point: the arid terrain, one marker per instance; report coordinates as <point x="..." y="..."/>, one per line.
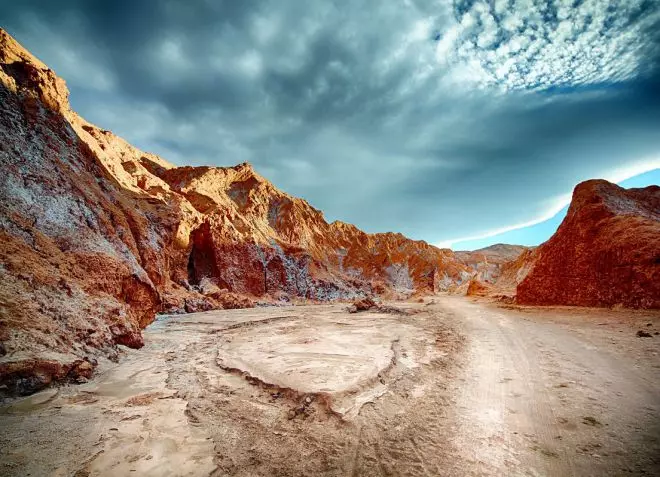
<point x="98" y="237"/>
<point x="444" y="387"/>
<point x="160" y="319"/>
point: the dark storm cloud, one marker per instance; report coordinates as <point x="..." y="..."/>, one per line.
<point x="437" y="119"/>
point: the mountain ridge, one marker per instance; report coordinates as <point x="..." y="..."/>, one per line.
<point x="99" y="236"/>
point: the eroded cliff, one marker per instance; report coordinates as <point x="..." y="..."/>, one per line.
<point x="96" y="237"/>
<point x="606" y="252"/>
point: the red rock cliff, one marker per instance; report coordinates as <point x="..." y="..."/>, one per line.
<point x="606" y="252"/>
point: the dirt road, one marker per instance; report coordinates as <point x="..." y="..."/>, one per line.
<point x="450" y="387"/>
<point x="558" y="392"/>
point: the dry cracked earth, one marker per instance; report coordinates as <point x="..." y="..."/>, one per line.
<point x="446" y="387"/>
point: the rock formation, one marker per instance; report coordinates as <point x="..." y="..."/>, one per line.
<point x="476" y="287"/>
<point x="486" y="263"/>
<point x="606" y="252"/>
<point x="512" y="273"/>
<point x="96" y="237"/>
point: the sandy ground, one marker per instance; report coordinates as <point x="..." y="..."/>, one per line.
<point x="455" y="387"/>
<point x="558" y="391"/>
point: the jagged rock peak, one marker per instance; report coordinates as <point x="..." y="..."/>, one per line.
<point x="23" y="72"/>
<point x="615" y="199"/>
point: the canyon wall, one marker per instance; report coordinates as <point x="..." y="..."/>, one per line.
<point x="606" y="252"/>
<point x="96" y="237"/>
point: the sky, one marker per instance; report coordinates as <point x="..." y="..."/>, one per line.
<point x="537" y="233"/>
<point x="449" y="121"/>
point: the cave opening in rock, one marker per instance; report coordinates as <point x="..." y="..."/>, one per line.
<point x="201" y="261"/>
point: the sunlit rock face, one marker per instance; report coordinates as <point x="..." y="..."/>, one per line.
<point x="256" y="239"/>
<point x="605" y="253"/>
<point x="97" y="236"/>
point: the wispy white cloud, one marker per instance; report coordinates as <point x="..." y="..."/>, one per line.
<point x="536" y="44"/>
<point x="557" y="204"/>
<point x="616" y="175"/>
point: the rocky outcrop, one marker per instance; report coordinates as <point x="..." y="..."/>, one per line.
<point x="96" y="237"/>
<point x="478" y="288"/>
<point x="363" y="304"/>
<point x="488" y="268"/>
<point x="259" y="240"/>
<point x="80" y="264"/>
<point x="606" y="252"/>
<point x="487" y="263"/>
<point x="510" y="274"/>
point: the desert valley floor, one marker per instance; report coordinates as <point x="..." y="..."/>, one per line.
<point x="444" y="387"/>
